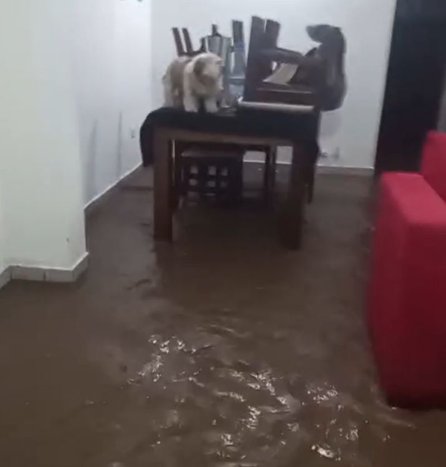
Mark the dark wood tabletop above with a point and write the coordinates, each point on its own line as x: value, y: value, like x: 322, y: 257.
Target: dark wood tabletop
x: 298, y: 131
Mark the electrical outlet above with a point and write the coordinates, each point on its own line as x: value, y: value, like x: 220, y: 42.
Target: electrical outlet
x: 132, y: 133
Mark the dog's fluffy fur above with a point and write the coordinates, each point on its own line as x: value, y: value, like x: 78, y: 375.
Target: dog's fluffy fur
x: 192, y: 80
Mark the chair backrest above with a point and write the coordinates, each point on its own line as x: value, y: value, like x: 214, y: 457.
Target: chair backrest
x: 272, y: 32
x: 181, y: 51
x: 187, y: 41
x: 186, y: 48
x: 433, y: 166
x: 238, y: 38
x: 264, y: 34
x: 321, y: 70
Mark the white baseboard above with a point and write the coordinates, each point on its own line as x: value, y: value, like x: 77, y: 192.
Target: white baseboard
x: 45, y: 274
x: 359, y: 171
x: 5, y: 277
x: 327, y: 169
x: 111, y: 186
x: 58, y: 275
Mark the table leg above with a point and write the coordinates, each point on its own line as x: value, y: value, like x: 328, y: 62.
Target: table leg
x: 177, y: 174
x: 292, y: 211
x: 269, y: 173
x: 310, y: 182
x: 162, y: 192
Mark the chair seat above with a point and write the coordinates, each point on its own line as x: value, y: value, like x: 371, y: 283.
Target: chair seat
x: 286, y: 94
x: 277, y: 107
x: 217, y: 174
x: 297, y: 89
x: 208, y: 153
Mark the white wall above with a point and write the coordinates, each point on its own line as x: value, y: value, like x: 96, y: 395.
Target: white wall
x: 75, y: 89
x: 367, y: 24
x: 40, y: 179
x: 3, y: 264
x: 111, y: 54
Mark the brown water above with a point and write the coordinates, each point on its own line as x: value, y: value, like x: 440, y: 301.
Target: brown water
x: 221, y: 350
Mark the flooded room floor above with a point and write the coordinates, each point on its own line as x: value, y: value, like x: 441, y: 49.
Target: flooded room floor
x: 220, y: 350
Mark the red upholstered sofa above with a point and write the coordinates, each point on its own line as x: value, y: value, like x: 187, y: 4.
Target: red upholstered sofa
x: 407, y: 293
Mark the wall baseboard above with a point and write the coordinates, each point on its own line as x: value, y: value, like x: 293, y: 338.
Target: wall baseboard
x: 57, y: 275
x: 356, y: 171
x: 96, y: 199
x: 42, y: 274
x: 5, y: 277
x: 327, y: 169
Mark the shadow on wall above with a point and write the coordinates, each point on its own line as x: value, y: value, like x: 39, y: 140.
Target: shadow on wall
x: 119, y: 146
x: 90, y: 166
x: 330, y: 135
x: 332, y: 123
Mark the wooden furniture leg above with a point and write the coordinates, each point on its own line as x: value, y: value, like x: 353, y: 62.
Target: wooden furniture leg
x: 176, y: 182
x: 162, y: 182
x: 292, y: 212
x: 273, y: 169
x: 269, y: 174
x: 310, y: 182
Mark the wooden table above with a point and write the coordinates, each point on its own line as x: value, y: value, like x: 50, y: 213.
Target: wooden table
x: 291, y: 210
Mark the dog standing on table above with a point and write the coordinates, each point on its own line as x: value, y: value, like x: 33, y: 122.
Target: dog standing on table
x: 190, y: 80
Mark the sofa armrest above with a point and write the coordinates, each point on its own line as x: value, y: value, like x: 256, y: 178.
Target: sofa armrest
x: 413, y: 198
x: 407, y: 293
x: 433, y: 165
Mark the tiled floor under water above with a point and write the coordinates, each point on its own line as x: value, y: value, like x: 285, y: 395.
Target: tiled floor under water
x: 221, y: 350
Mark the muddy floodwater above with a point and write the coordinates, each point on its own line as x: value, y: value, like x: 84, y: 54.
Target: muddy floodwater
x: 220, y: 350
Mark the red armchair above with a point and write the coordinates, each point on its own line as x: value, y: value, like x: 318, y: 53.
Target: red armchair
x: 407, y: 293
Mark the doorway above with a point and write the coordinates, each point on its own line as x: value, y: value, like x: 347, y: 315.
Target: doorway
x: 415, y: 83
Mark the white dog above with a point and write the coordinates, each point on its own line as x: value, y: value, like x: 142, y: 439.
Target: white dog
x: 190, y: 80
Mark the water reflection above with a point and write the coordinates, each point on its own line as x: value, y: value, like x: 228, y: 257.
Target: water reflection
x: 211, y: 381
